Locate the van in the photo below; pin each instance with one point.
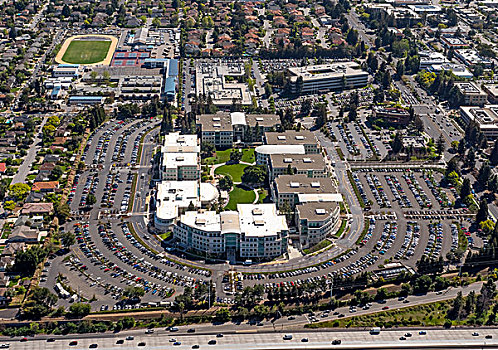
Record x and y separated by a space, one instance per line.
375 331
248 262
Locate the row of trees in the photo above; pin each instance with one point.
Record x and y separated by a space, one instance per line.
478 305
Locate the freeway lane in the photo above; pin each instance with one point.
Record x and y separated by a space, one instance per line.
359 339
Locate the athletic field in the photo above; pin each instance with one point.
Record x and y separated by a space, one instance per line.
86 51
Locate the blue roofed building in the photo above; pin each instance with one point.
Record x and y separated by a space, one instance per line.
173 68
56 92
86 100
170 88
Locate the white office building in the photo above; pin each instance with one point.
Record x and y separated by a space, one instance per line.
174 197
254 231
326 77
485 117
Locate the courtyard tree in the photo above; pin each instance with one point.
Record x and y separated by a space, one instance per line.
225 183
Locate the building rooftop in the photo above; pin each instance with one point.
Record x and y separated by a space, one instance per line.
280 149
458 70
224 121
290 137
260 220
230 222
486 117
206 221
325 71
492 88
219 80
304 184
298 161
172 195
468 88
175 142
215 122
315 211
178 159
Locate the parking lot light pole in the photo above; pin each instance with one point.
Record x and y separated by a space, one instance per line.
331 289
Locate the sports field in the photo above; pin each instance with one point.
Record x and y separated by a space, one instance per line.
86 51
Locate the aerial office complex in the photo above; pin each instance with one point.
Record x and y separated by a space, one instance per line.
253 231
325 77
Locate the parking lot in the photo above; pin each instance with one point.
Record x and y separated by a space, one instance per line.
404 189
108 257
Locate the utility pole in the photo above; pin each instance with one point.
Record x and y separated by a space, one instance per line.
331 289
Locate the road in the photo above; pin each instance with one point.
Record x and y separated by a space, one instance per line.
25 167
341 168
351 339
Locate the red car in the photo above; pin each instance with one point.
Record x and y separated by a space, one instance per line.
385 308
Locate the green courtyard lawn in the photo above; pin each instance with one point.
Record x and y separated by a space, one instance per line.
248 155
239 196
234 170
224 156
219 158
86 51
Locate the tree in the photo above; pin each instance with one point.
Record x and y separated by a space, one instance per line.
26 261
397 144
235 156
440 145
191 206
482 213
493 158
62 211
133 292
79 310
156 22
225 183
207 150
223 315
91 200
68 239
66 11
13 33
9 205
484 175
39 303
465 189
106 76
422 284
352 37
255 174
400 68
452 166
56 173
19 191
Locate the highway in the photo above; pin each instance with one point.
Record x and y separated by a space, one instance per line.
350 339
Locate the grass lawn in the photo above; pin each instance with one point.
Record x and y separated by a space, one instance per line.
166 235
432 314
86 51
224 156
262 195
234 170
239 195
248 155
323 244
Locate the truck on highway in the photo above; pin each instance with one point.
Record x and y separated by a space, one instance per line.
375 331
